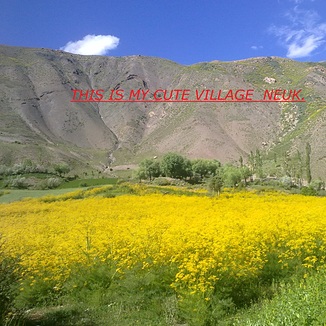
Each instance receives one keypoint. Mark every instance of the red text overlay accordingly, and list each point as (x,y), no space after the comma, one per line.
(185,95)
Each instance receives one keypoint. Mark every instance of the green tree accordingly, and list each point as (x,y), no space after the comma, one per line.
(232,175)
(245,173)
(297,169)
(286,164)
(61,169)
(213,166)
(259,163)
(150,169)
(275,158)
(215,183)
(308,168)
(252,162)
(175,166)
(256,163)
(205,167)
(241,161)
(141,174)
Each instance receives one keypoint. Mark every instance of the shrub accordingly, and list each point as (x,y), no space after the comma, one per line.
(19,182)
(286,182)
(162,181)
(61,168)
(18,168)
(3,170)
(21,168)
(317,184)
(308,191)
(53,182)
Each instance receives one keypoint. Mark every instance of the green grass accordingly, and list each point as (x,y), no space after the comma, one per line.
(124,174)
(16,195)
(88,183)
(97,296)
(11,195)
(137,299)
(299,303)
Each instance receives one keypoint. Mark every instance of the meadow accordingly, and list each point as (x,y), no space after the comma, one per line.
(92,257)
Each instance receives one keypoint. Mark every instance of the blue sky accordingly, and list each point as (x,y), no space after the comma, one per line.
(183,31)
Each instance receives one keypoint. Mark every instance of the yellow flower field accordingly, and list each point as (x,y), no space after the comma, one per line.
(204,240)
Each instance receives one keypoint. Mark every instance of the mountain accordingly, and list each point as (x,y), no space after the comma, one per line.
(39,121)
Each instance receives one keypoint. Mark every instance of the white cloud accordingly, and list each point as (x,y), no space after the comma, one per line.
(92,45)
(304,33)
(300,1)
(304,47)
(256,47)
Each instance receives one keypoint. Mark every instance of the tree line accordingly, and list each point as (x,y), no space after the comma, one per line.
(196,171)
(284,169)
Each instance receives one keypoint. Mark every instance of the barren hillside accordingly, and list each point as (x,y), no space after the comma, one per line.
(38,120)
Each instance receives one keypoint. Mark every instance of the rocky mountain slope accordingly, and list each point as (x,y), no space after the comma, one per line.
(39,121)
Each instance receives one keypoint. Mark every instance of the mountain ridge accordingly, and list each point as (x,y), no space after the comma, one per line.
(39,121)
